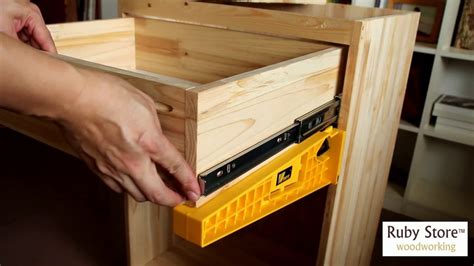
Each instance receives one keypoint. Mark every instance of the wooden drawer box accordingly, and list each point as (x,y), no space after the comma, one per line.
(216,91)
(225,77)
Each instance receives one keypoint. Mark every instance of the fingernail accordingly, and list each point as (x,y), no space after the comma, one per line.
(192,196)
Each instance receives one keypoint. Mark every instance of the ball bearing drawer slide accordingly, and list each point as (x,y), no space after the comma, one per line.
(303,127)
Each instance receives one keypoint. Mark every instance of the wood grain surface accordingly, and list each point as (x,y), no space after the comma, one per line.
(235,113)
(108,42)
(168,94)
(203,54)
(376,78)
(378,44)
(260,21)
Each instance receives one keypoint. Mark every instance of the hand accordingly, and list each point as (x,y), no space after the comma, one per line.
(115,129)
(113,126)
(22,20)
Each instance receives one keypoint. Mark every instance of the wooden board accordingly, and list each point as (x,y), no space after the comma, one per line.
(235,113)
(273,1)
(376,79)
(202,54)
(264,22)
(108,42)
(168,94)
(345,12)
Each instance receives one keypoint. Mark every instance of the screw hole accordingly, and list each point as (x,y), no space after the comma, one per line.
(185,3)
(149,4)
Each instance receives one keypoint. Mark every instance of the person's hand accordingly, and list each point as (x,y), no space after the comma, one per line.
(115,129)
(22,20)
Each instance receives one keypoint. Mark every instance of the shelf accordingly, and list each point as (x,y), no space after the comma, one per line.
(444,198)
(426,48)
(404,125)
(465,139)
(457,53)
(394,198)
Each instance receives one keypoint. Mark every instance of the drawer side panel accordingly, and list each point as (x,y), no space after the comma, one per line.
(108,42)
(236,113)
(169,97)
(205,54)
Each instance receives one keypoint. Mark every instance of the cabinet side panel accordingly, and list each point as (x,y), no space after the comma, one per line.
(149,231)
(236,113)
(108,42)
(376,79)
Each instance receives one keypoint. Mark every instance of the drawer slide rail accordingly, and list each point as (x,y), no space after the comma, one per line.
(303,127)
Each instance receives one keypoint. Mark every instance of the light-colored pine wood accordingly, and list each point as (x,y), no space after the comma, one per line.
(204,54)
(145,240)
(168,94)
(108,42)
(379,74)
(265,22)
(378,48)
(346,12)
(390,90)
(320,2)
(235,113)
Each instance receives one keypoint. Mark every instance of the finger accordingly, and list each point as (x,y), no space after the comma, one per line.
(121,179)
(155,189)
(169,158)
(35,8)
(35,44)
(129,185)
(111,183)
(90,162)
(38,32)
(23,37)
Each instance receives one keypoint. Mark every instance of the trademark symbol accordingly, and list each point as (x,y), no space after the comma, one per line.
(462,231)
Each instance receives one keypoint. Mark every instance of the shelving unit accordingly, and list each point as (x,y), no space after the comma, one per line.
(440,183)
(404,125)
(426,48)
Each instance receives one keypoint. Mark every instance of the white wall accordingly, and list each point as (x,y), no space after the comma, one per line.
(368,3)
(109,9)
